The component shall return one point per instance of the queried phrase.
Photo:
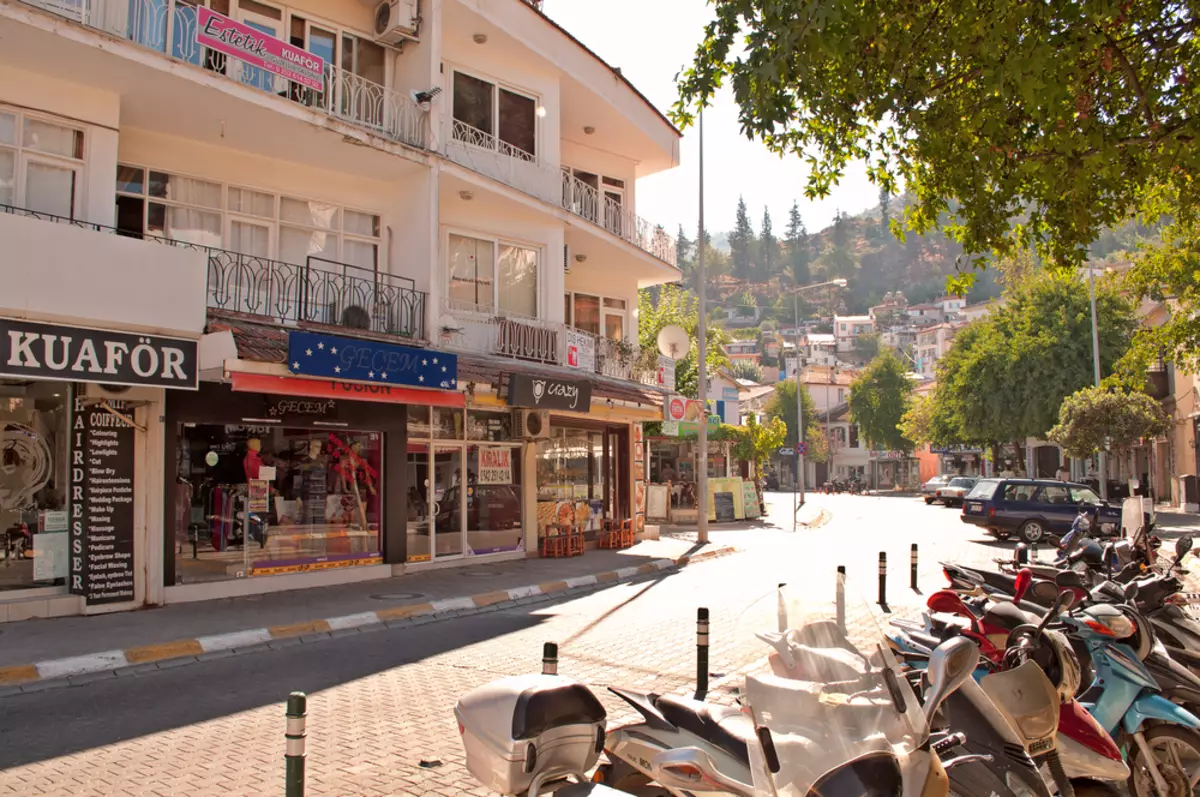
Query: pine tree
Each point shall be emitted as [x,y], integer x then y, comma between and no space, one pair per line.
[885,202]
[798,247]
[685,251]
[741,243]
[768,249]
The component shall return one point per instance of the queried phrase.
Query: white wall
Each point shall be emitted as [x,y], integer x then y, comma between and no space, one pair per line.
[56,272]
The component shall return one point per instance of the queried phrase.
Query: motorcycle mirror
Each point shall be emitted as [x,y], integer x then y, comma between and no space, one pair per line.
[1131,591]
[1069,579]
[950,665]
[1182,546]
[691,769]
[1063,602]
[1109,548]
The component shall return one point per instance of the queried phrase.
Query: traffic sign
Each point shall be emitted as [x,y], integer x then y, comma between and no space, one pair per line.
[802,448]
[786,452]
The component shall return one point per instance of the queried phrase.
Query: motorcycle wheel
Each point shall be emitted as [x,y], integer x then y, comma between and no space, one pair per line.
[1176,752]
[620,776]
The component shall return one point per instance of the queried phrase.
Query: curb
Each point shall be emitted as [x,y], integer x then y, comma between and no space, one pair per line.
[76,670]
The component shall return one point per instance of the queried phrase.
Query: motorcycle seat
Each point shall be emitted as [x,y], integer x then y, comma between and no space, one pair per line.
[726,728]
[1008,616]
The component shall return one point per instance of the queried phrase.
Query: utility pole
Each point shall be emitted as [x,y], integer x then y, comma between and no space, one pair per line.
[702,368]
[1096,367]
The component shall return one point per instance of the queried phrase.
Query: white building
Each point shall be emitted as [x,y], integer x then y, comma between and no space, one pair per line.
[441,205]
[848,328]
[932,344]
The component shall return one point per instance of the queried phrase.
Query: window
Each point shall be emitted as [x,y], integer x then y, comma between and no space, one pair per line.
[41,164]
[1054,495]
[841,395]
[1083,495]
[493,117]
[489,275]
[245,220]
[603,316]
[854,435]
[843,327]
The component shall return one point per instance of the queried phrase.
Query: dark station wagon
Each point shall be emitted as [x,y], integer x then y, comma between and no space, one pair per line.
[1034,509]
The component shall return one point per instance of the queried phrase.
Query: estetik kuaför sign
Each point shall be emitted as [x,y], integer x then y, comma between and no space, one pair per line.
[219,32]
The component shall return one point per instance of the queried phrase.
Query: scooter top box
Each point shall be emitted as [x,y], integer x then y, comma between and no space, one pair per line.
[517,727]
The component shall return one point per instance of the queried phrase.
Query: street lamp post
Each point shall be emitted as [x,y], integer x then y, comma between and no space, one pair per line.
[702,368]
[1096,368]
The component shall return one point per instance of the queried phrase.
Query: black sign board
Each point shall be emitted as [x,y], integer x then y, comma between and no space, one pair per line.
[50,351]
[544,393]
[723,505]
[102,451]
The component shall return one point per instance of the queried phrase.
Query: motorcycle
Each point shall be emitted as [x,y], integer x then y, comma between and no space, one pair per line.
[821,688]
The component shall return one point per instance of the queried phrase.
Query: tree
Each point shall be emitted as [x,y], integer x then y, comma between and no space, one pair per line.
[879,397]
[755,443]
[685,253]
[741,243]
[885,218]
[1092,416]
[747,369]
[799,252]
[1006,375]
[677,305]
[1038,125]
[768,248]
[782,405]
[868,346]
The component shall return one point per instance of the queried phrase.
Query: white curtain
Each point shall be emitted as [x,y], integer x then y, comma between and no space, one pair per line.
[472,264]
[518,280]
[189,223]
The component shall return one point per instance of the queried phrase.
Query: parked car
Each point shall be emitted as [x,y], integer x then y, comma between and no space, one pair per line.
[1034,509]
[929,489]
[954,492]
[490,507]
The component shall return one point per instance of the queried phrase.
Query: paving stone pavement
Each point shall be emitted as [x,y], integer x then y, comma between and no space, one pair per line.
[380,703]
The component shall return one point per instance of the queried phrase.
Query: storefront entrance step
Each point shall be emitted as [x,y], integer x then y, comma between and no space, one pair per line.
[45,636]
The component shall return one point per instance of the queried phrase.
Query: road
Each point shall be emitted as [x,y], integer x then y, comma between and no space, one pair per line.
[380,703]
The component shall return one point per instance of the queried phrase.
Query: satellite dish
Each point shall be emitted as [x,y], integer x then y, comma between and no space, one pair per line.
[673,342]
[449,325]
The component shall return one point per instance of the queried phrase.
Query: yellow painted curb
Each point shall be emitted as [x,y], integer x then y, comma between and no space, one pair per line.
[552,586]
[605,578]
[487,599]
[647,568]
[163,650]
[299,629]
[19,674]
[403,612]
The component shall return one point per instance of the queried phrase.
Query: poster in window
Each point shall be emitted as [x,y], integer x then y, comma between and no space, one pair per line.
[258,495]
[495,466]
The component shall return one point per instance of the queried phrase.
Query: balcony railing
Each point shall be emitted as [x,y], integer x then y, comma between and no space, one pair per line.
[484,153]
[518,337]
[319,292]
[169,27]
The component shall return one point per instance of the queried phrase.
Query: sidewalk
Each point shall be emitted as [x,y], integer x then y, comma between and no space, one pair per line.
[78,649]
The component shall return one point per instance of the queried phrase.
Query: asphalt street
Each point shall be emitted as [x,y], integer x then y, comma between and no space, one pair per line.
[380,703]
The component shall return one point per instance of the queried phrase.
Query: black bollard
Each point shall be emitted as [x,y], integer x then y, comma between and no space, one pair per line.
[1022,554]
[883,579]
[701,653]
[912,564]
[550,658]
[294,740]
[840,598]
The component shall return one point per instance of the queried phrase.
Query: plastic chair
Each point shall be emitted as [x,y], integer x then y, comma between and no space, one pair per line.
[555,543]
[610,534]
[575,541]
[627,534]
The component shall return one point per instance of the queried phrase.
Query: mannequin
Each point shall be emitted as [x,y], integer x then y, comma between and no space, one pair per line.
[253,460]
[314,485]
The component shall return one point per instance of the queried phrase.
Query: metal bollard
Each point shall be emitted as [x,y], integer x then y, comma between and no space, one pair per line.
[701,653]
[912,564]
[1033,551]
[781,615]
[1021,554]
[550,658]
[883,579]
[840,598]
[297,713]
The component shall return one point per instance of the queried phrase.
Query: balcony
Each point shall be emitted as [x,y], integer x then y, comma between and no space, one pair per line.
[1158,382]
[545,342]
[169,27]
[318,292]
[485,154]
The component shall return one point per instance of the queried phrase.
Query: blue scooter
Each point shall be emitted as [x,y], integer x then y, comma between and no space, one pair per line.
[1160,740]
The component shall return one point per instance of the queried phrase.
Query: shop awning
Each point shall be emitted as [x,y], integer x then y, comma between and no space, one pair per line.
[489,370]
[347,391]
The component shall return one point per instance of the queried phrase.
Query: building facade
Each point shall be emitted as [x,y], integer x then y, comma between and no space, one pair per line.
[356,297]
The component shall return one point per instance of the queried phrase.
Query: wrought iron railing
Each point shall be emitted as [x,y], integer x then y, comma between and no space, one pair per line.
[337,294]
[485,153]
[169,27]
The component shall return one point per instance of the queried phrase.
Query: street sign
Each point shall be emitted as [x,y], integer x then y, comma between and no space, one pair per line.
[786,452]
[802,448]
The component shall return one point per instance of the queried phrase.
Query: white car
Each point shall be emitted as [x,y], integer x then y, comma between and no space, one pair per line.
[953,493]
[929,489]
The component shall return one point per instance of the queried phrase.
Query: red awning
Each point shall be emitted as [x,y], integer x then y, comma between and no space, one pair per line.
[350,391]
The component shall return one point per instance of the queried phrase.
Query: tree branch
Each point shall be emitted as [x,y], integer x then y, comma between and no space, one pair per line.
[1134,81]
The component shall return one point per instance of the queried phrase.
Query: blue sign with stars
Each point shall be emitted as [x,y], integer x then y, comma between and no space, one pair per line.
[333,357]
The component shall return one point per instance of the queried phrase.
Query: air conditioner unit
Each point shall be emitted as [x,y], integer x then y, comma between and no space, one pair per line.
[397,21]
[97,392]
[531,424]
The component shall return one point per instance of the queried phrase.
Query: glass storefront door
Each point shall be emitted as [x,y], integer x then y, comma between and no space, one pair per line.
[420,537]
[448,500]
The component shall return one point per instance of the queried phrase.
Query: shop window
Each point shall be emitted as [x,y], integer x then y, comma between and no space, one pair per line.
[33,484]
[494,427]
[487,275]
[577,478]
[41,164]
[268,500]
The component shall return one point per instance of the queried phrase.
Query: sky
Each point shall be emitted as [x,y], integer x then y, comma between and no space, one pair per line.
[650,40]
